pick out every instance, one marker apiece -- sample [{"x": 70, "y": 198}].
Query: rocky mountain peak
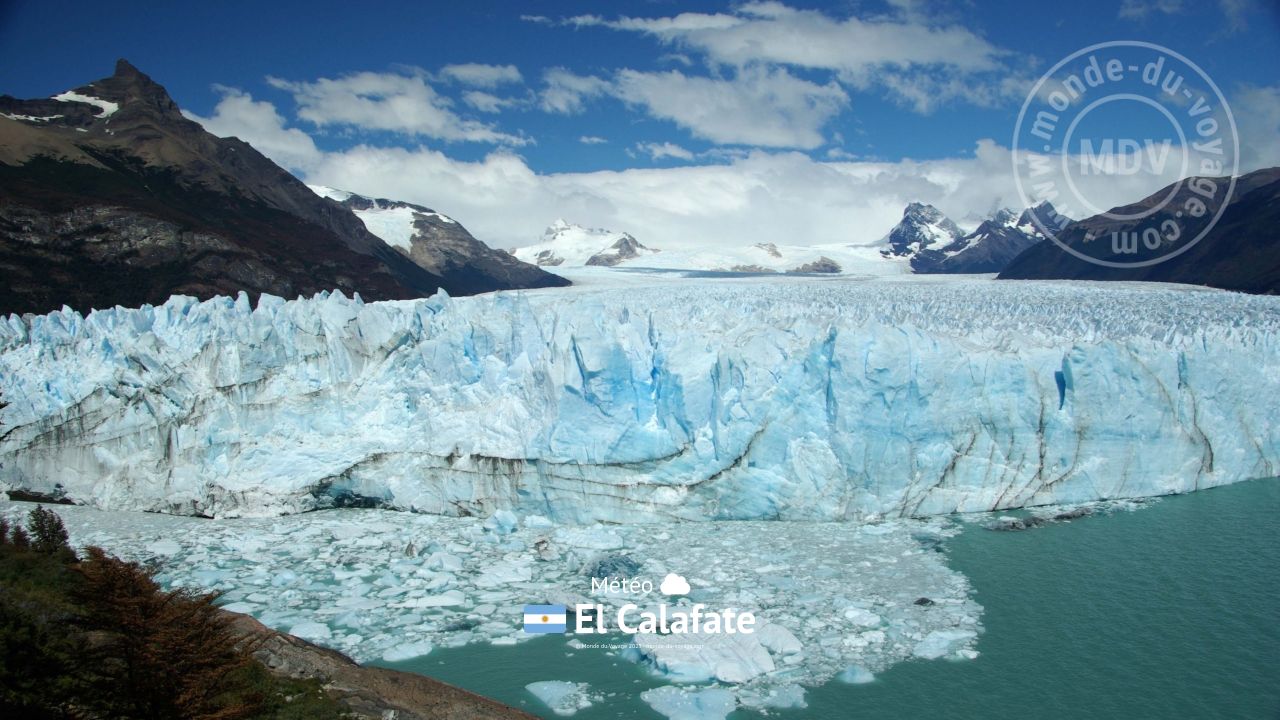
[{"x": 921, "y": 227}]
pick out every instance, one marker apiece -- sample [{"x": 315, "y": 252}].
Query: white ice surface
[{"x": 803, "y": 399}]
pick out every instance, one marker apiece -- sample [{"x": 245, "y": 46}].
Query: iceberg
[{"x": 781, "y": 399}]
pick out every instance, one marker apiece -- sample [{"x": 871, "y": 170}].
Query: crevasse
[{"x": 794, "y": 399}]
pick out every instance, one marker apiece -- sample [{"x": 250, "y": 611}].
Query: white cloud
[
  {"x": 1257, "y": 113},
  {"x": 257, "y": 122},
  {"x": 775, "y": 33},
  {"x": 744, "y": 197},
  {"x": 565, "y": 91},
  {"x": 592, "y": 140},
  {"x": 759, "y": 106},
  {"x": 482, "y": 75},
  {"x": 488, "y": 102},
  {"x": 658, "y": 151},
  {"x": 388, "y": 101},
  {"x": 1141, "y": 9}
]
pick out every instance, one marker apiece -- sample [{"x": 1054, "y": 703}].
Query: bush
[{"x": 99, "y": 638}]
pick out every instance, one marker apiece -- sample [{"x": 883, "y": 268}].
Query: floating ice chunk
[
  {"x": 407, "y": 651},
  {"x": 564, "y": 698},
  {"x": 311, "y": 630},
  {"x": 502, "y": 522},
  {"x": 861, "y": 618},
  {"x": 164, "y": 547},
  {"x": 243, "y": 608},
  {"x": 942, "y": 642},
  {"x": 441, "y": 560},
  {"x": 537, "y": 521},
  {"x": 504, "y": 572},
  {"x": 778, "y": 639},
  {"x": 698, "y": 657},
  {"x": 856, "y": 675},
  {"x": 680, "y": 704},
  {"x": 779, "y": 698}
]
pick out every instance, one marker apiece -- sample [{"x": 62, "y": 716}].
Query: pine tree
[
  {"x": 4, "y": 531},
  {"x": 19, "y": 538},
  {"x": 165, "y": 653},
  {"x": 49, "y": 535}
]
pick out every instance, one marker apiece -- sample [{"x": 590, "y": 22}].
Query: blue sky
[{"x": 564, "y": 108}]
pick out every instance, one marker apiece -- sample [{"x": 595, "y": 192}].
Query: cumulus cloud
[
  {"x": 391, "y": 102},
  {"x": 258, "y": 123},
  {"x": 759, "y": 106},
  {"x": 1257, "y": 113},
  {"x": 1141, "y": 9},
  {"x": 776, "y": 33},
  {"x": 658, "y": 151},
  {"x": 592, "y": 140},
  {"x": 488, "y": 102},
  {"x": 919, "y": 62},
  {"x": 731, "y": 197},
  {"x": 481, "y": 75},
  {"x": 565, "y": 92}
]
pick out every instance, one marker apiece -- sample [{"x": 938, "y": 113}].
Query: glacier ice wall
[{"x": 782, "y": 399}]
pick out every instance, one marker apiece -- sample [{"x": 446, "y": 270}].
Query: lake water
[{"x": 1171, "y": 611}]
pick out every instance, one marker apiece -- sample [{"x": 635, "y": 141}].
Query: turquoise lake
[{"x": 1170, "y": 611}]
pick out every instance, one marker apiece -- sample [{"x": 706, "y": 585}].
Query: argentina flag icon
[{"x": 544, "y": 618}]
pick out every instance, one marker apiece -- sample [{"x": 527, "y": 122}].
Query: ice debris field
[
  {"x": 792, "y": 399},
  {"x": 832, "y": 599}
]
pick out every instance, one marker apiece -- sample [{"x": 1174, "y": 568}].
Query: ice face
[
  {"x": 787, "y": 399},
  {"x": 342, "y": 578}
]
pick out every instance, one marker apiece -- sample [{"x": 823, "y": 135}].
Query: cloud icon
[{"x": 674, "y": 584}]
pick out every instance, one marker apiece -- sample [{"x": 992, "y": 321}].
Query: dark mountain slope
[
  {"x": 108, "y": 195},
  {"x": 1241, "y": 252}
]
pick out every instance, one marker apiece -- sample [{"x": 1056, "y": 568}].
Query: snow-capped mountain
[
  {"x": 109, "y": 195},
  {"x": 438, "y": 243},
  {"x": 751, "y": 399},
  {"x": 565, "y": 244},
  {"x": 922, "y": 227},
  {"x": 933, "y": 243}
]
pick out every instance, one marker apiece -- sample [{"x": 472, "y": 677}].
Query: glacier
[{"x": 776, "y": 399}]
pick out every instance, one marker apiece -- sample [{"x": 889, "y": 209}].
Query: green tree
[
  {"x": 49, "y": 535},
  {"x": 20, "y": 539}
]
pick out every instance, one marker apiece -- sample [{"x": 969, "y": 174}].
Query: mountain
[
  {"x": 922, "y": 226},
  {"x": 933, "y": 243},
  {"x": 1241, "y": 252},
  {"x": 992, "y": 245},
  {"x": 569, "y": 245},
  {"x": 440, "y": 244},
  {"x": 108, "y": 195}
]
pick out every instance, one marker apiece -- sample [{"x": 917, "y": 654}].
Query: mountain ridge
[{"x": 110, "y": 196}]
